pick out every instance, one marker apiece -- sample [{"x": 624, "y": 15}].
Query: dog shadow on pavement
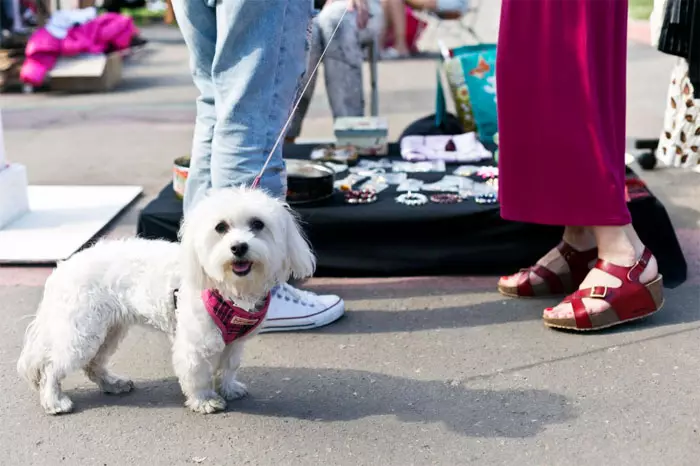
[{"x": 333, "y": 395}]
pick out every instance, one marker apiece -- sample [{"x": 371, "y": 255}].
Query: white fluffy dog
[{"x": 236, "y": 245}]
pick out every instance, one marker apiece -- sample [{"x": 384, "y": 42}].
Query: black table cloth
[{"x": 390, "y": 239}]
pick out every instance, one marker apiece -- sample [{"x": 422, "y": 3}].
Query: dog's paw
[
  {"x": 59, "y": 405},
  {"x": 207, "y": 405},
  {"x": 233, "y": 390},
  {"x": 115, "y": 385}
]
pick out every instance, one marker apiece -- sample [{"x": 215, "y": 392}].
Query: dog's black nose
[{"x": 239, "y": 249}]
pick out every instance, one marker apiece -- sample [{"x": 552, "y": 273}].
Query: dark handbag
[
  {"x": 675, "y": 36},
  {"x": 116, "y": 6},
  {"x": 439, "y": 123},
  {"x": 680, "y": 36},
  {"x": 428, "y": 126}
]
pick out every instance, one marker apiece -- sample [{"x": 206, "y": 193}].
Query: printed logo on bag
[
  {"x": 482, "y": 68},
  {"x": 238, "y": 320}
]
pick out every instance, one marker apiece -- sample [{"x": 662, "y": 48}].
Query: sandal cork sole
[{"x": 609, "y": 317}]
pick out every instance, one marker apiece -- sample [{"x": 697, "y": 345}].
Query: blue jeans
[{"x": 247, "y": 59}]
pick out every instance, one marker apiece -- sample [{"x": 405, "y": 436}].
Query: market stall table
[{"x": 386, "y": 238}]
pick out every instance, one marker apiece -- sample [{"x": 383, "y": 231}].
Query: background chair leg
[
  {"x": 374, "y": 95},
  {"x": 470, "y": 30}
]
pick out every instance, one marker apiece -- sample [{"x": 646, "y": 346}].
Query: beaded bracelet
[
  {"x": 362, "y": 196},
  {"x": 445, "y": 198},
  {"x": 489, "y": 198},
  {"x": 412, "y": 199}
]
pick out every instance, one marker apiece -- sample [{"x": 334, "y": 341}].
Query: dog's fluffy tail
[{"x": 33, "y": 355}]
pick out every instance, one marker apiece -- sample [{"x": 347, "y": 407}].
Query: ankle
[
  {"x": 634, "y": 239},
  {"x": 580, "y": 238},
  {"x": 620, "y": 252},
  {"x": 624, "y": 258},
  {"x": 618, "y": 244}
]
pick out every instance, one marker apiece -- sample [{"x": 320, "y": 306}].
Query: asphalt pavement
[{"x": 421, "y": 371}]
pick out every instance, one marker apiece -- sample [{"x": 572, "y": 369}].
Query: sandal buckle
[{"x": 595, "y": 293}]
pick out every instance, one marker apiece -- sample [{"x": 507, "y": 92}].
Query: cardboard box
[
  {"x": 14, "y": 197},
  {"x": 367, "y": 134},
  {"x": 87, "y": 73}
]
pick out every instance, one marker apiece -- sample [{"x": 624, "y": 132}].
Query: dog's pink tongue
[{"x": 241, "y": 266}]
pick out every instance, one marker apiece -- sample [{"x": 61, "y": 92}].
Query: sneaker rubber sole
[{"x": 308, "y": 322}]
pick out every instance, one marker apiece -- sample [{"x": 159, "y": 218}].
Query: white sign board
[
  {"x": 61, "y": 220},
  {"x": 3, "y": 160}
]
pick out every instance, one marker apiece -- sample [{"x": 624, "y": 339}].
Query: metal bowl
[{"x": 308, "y": 182}]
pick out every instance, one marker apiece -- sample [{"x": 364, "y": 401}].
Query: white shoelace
[{"x": 289, "y": 293}]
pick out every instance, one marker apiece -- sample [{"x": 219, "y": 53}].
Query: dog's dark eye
[
  {"x": 221, "y": 228},
  {"x": 256, "y": 224}
]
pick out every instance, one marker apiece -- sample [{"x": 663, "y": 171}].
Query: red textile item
[
  {"x": 233, "y": 321},
  {"x": 561, "y": 78}
]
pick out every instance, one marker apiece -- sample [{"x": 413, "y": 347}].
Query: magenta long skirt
[{"x": 561, "y": 72}]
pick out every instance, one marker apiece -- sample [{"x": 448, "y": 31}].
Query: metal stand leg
[{"x": 374, "y": 97}]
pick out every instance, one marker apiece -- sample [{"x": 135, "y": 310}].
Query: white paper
[
  {"x": 14, "y": 201},
  {"x": 62, "y": 220},
  {"x": 3, "y": 159}
]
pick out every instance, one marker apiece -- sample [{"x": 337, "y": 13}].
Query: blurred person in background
[
  {"x": 395, "y": 22},
  {"x": 342, "y": 63}
]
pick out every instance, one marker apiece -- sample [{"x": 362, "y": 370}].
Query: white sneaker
[{"x": 293, "y": 309}]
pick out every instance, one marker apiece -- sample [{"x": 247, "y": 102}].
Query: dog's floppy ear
[
  {"x": 192, "y": 270},
  {"x": 300, "y": 261}
]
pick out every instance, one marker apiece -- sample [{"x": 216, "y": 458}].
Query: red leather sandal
[
  {"x": 554, "y": 284},
  {"x": 631, "y": 301}
]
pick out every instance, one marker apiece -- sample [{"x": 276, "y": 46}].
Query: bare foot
[
  {"x": 578, "y": 238},
  {"x": 402, "y": 49},
  {"x": 392, "y": 53}
]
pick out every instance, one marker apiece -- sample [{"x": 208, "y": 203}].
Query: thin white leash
[{"x": 256, "y": 181}]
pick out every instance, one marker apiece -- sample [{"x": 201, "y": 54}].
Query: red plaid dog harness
[{"x": 233, "y": 321}]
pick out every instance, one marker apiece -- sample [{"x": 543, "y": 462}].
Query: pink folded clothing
[
  {"x": 450, "y": 149},
  {"x": 106, "y": 33}
]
